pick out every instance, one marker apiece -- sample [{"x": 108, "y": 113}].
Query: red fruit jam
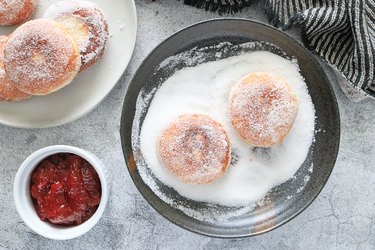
[{"x": 65, "y": 189}]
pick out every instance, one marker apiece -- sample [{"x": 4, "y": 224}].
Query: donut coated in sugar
[
  {"x": 14, "y": 12},
  {"x": 195, "y": 149},
  {"x": 8, "y": 93},
  {"x": 262, "y": 108},
  {"x": 86, "y": 23},
  {"x": 41, "y": 57}
]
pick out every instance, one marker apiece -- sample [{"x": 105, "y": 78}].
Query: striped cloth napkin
[{"x": 342, "y": 32}]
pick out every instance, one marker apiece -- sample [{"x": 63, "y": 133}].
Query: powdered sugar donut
[
  {"x": 87, "y": 24},
  {"x": 8, "y": 92},
  {"x": 195, "y": 148},
  {"x": 262, "y": 108},
  {"x": 41, "y": 57},
  {"x": 14, "y": 12}
]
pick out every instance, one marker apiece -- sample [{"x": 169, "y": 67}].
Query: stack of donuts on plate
[{"x": 44, "y": 55}]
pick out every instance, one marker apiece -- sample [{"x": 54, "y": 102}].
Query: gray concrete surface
[{"x": 342, "y": 217}]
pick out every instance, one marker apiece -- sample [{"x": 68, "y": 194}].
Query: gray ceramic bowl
[{"x": 280, "y": 208}]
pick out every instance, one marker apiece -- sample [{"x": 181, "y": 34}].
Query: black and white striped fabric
[{"x": 341, "y": 31}]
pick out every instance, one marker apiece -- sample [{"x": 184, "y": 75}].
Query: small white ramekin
[{"x": 24, "y": 204}]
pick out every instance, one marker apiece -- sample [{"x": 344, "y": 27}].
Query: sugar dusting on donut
[
  {"x": 9, "y": 10},
  {"x": 16, "y": 11},
  {"x": 88, "y": 25},
  {"x": 262, "y": 108},
  {"x": 6, "y": 5},
  {"x": 195, "y": 148},
  {"x": 41, "y": 57},
  {"x": 8, "y": 92}
]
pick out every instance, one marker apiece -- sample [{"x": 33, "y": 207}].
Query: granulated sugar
[{"x": 204, "y": 89}]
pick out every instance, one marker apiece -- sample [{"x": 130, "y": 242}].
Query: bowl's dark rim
[{"x": 337, "y": 142}]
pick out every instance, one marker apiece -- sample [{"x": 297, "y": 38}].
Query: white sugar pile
[{"x": 204, "y": 89}]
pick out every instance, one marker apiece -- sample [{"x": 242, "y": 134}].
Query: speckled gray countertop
[{"x": 342, "y": 217}]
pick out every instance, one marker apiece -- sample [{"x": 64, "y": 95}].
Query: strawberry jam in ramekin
[{"x": 65, "y": 189}]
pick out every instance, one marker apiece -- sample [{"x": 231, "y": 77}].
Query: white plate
[{"x": 91, "y": 86}]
